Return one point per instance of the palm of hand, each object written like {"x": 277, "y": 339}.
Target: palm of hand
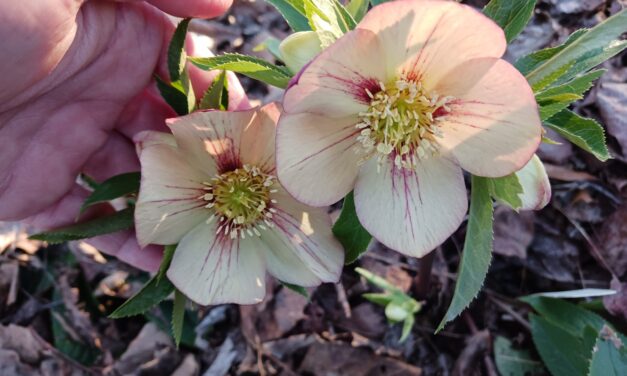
{"x": 79, "y": 115}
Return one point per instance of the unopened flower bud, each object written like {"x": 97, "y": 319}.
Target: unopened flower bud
{"x": 299, "y": 49}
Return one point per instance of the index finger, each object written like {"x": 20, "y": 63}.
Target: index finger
{"x": 193, "y": 8}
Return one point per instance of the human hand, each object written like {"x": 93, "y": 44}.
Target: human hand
{"x": 76, "y": 87}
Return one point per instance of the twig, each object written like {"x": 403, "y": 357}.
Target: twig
{"x": 406, "y": 266}
{"x": 422, "y": 281}
{"x": 256, "y": 344}
{"x": 61, "y": 355}
{"x": 508, "y": 309}
{"x": 341, "y": 296}
{"x": 593, "y": 246}
{"x": 489, "y": 364}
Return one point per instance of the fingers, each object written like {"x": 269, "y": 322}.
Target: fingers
{"x": 116, "y": 156}
{"x": 147, "y": 111}
{"x": 193, "y": 8}
{"x": 123, "y": 245}
{"x": 46, "y": 167}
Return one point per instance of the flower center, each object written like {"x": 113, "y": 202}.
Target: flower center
{"x": 402, "y": 122}
{"x": 241, "y": 201}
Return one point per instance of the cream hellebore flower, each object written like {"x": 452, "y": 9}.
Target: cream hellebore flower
{"x": 535, "y": 184}
{"x": 395, "y": 109}
{"x": 211, "y": 188}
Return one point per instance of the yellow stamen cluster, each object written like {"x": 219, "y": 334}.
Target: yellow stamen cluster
{"x": 400, "y": 123}
{"x": 241, "y": 201}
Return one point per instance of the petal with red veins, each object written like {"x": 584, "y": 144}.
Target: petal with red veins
{"x": 335, "y": 82}
{"x": 211, "y": 139}
{"x": 212, "y": 269}
{"x": 411, "y": 211}
{"x": 257, "y": 146}
{"x": 168, "y": 204}
{"x": 301, "y": 247}
{"x": 425, "y": 39}
{"x": 493, "y": 127}
{"x": 316, "y": 160}
{"x": 535, "y": 183}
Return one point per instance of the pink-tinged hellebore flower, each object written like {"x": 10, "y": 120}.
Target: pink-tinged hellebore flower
{"x": 535, "y": 184}
{"x": 395, "y": 109}
{"x": 211, "y": 188}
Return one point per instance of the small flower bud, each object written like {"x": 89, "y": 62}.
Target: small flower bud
{"x": 395, "y": 312}
{"x": 299, "y": 49}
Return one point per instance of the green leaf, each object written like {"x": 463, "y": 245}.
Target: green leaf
{"x": 112, "y": 188}
{"x": 577, "y": 294}
{"x": 174, "y": 97}
{"x": 217, "y": 95}
{"x": 528, "y": 63}
{"x": 558, "y": 98}
{"x": 563, "y": 353}
{"x": 398, "y": 305}
{"x": 118, "y": 221}
{"x": 377, "y": 2}
{"x": 250, "y": 66}
{"x": 407, "y": 325}
{"x": 380, "y": 282}
{"x": 272, "y": 45}
{"x": 168, "y": 253}
{"x": 176, "y": 51}
{"x": 583, "y": 51}
{"x": 323, "y": 18}
{"x": 507, "y": 189}
{"x": 293, "y": 12}
{"x": 161, "y": 317}
{"x": 358, "y": 9}
{"x": 150, "y": 295}
{"x": 511, "y": 16}
{"x": 477, "y": 252}
{"x": 549, "y": 106}
{"x": 297, "y": 289}
{"x": 583, "y": 132}
{"x": 378, "y": 298}
{"x": 178, "y": 316}
{"x": 83, "y": 353}
{"x": 185, "y": 84}
{"x": 350, "y": 232}
{"x": 344, "y": 17}
{"x": 555, "y": 310}
{"x": 609, "y": 355}
{"x": 513, "y": 362}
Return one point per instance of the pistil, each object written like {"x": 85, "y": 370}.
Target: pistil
{"x": 401, "y": 123}
{"x": 241, "y": 201}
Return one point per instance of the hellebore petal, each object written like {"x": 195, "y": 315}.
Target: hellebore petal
{"x": 411, "y": 211}
{"x": 299, "y": 49}
{"x": 335, "y": 82}
{"x": 315, "y": 160}
{"x": 212, "y": 269}
{"x": 168, "y": 203}
{"x": 493, "y": 127}
{"x": 535, "y": 183}
{"x": 302, "y": 234}
{"x": 425, "y": 39}
{"x": 257, "y": 145}
{"x": 211, "y": 139}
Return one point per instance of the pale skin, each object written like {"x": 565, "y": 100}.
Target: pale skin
{"x": 76, "y": 86}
